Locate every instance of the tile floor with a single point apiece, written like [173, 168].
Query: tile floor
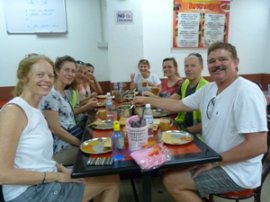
[159, 194]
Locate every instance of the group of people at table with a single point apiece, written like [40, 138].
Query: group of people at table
[229, 112]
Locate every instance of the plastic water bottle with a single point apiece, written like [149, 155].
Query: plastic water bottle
[118, 89]
[116, 86]
[109, 108]
[148, 117]
[121, 92]
[118, 142]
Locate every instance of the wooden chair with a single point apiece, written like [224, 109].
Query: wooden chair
[248, 193]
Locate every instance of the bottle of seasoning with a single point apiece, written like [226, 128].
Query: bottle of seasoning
[118, 142]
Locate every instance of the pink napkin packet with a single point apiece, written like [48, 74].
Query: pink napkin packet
[151, 157]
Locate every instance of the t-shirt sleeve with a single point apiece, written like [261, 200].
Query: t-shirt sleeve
[156, 79]
[138, 79]
[250, 111]
[194, 101]
[50, 102]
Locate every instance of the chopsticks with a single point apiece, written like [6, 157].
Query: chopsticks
[100, 161]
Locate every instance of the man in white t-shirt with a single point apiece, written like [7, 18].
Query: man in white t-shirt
[234, 124]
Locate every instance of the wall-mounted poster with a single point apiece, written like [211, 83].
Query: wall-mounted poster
[198, 23]
[35, 16]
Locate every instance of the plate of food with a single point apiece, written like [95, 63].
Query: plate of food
[122, 121]
[100, 104]
[125, 105]
[157, 113]
[176, 137]
[103, 96]
[101, 125]
[139, 111]
[97, 145]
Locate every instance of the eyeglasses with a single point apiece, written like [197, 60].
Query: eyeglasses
[210, 108]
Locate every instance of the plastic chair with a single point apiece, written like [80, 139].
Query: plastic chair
[249, 193]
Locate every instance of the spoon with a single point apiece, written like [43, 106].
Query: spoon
[131, 106]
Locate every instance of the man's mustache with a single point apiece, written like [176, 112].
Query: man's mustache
[220, 68]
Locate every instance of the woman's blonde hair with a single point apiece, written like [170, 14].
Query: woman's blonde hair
[25, 67]
[144, 62]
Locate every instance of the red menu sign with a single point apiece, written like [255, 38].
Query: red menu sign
[198, 23]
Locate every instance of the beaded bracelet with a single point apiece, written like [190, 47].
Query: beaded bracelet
[44, 178]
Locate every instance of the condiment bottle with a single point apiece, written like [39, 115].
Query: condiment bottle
[118, 142]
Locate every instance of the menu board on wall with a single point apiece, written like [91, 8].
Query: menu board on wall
[35, 16]
[198, 23]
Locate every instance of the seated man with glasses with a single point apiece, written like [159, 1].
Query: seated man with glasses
[234, 123]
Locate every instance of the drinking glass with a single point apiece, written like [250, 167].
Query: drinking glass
[165, 124]
[155, 90]
[144, 84]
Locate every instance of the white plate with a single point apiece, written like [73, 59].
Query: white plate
[100, 104]
[104, 126]
[157, 113]
[176, 137]
[97, 145]
[103, 96]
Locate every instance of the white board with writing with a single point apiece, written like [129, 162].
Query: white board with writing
[35, 16]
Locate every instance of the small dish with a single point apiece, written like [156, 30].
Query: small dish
[157, 113]
[122, 121]
[176, 137]
[101, 125]
[97, 145]
[100, 104]
[103, 96]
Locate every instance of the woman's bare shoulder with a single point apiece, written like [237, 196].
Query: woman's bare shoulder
[13, 111]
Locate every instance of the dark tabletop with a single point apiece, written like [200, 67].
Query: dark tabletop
[193, 153]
